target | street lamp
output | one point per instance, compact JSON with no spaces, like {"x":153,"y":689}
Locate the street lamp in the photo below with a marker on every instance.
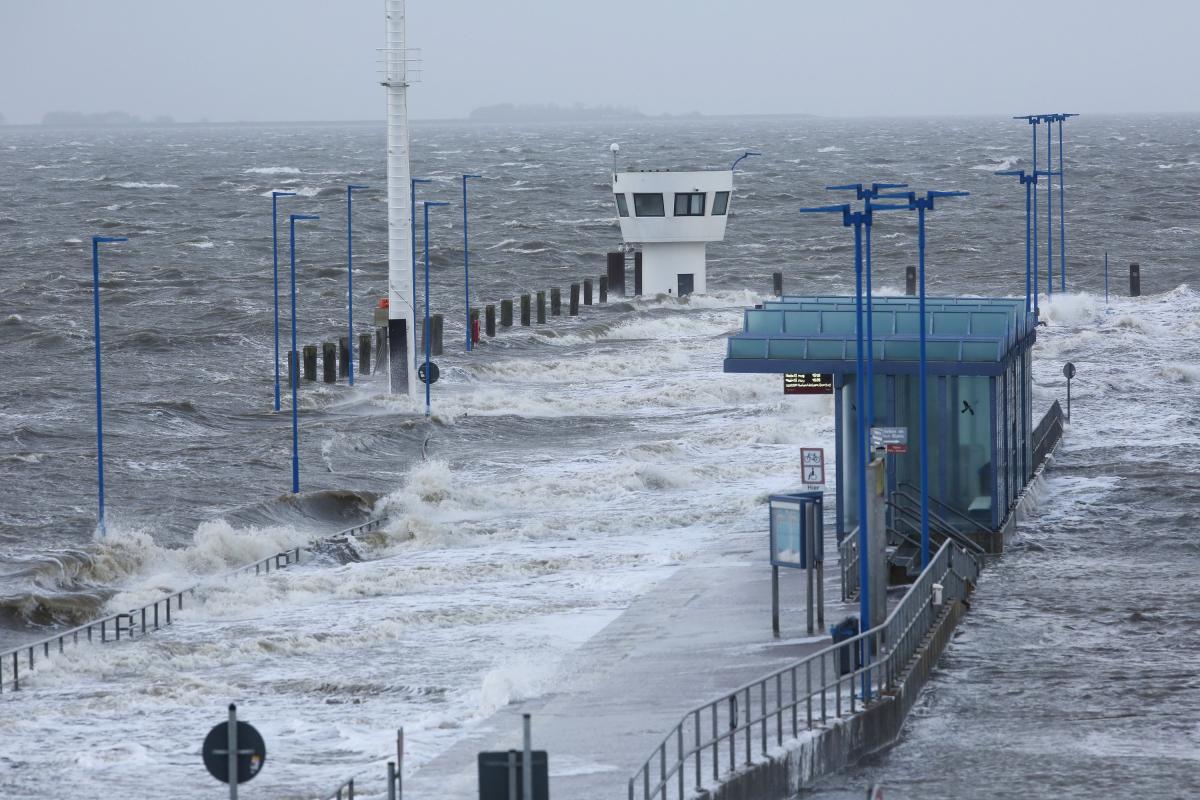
{"x":412,"y":208}
{"x":350,"y":277}
{"x":295,"y":369}
{"x":739,"y":159}
{"x":275,"y":278}
{"x":921,"y":205}
{"x":428,"y":377}
{"x":867,"y":194}
{"x":1029,"y":181}
{"x":467,"y":262}
{"x":858,"y":219}
{"x":96,"y":242}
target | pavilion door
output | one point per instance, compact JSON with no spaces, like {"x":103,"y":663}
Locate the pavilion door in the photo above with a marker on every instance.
{"x":687,"y":283}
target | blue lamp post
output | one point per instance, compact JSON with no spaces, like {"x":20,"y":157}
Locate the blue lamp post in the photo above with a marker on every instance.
{"x":740,"y":158}
{"x":412,"y":208}
{"x":1062,"y":213}
{"x":96,"y":242}
{"x":1029,"y":181}
{"x":275,"y":277}
{"x":867,"y":194}
{"x":921,"y":205}
{"x":350,"y":276}
{"x":295,"y":366}
{"x":857,"y":220}
{"x":1034,"y":120}
{"x":428,"y":378}
{"x":467,"y":262}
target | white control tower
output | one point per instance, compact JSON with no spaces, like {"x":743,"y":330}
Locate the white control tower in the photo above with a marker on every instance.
{"x":673,"y":215}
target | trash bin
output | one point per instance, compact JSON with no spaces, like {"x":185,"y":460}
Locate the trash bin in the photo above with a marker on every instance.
{"x":846,"y":629}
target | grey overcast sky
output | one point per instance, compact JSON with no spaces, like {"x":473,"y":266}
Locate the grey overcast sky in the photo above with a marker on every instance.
{"x":316,"y":59}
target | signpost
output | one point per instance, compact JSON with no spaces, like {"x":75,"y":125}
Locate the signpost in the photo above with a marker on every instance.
{"x":807,"y":383}
{"x":890,"y":440}
{"x":1068,"y":373}
{"x":233,"y":752}
{"x":433,"y":372}
{"x":812,"y":466}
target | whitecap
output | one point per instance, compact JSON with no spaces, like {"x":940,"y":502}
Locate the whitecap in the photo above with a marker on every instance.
{"x":271,"y":171}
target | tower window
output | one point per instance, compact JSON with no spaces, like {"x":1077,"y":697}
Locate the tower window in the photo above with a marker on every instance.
{"x":622,"y":205}
{"x":648,"y":205}
{"x":720,"y":204}
{"x":689,"y":204}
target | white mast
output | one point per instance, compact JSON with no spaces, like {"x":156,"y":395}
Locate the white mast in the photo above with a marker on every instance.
{"x":401,"y":316}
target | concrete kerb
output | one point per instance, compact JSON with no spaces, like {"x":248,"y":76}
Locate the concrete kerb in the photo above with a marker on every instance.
{"x":800,"y":762}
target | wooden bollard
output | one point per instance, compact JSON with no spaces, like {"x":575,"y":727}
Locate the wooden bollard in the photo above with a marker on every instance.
{"x":1135,"y":280}
{"x":555,"y":302}
{"x":329,"y":362}
{"x":310,"y":362}
{"x":525,"y":310}
{"x":910,"y":281}
{"x":474,"y":332}
{"x":637,"y":273}
{"x":343,"y":357}
{"x":616,"y":274}
{"x":541,"y":308}
{"x":506,"y":313}
{"x":587,"y":291}
{"x":364,"y":354}
{"x":490,"y":319}
{"x":574,"y":309}
{"x":603,"y":288}
{"x":777,"y":283}
{"x":438,"y":323}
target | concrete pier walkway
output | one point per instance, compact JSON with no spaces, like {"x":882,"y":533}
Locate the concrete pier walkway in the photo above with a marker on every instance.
{"x":704,"y":630}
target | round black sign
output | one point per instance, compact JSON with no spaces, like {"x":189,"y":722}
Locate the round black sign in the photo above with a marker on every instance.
{"x":1069,"y":370}
{"x":434,"y":372}
{"x":252,"y":752}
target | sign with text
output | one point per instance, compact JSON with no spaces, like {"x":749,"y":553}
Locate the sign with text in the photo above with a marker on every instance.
{"x":891,"y":440}
{"x":812,"y":466}
{"x":807,"y":383}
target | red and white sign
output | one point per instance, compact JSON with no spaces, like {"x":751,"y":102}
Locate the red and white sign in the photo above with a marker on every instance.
{"x":812,"y":466}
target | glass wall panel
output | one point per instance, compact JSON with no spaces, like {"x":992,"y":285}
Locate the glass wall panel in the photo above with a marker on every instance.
{"x":970,"y":447}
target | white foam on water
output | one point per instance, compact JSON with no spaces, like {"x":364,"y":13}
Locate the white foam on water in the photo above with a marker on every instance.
{"x":145,"y":185}
{"x":271,"y":171}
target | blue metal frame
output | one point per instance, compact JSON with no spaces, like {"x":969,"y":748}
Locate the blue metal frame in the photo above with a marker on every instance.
{"x":1034,"y":120}
{"x":467,"y":262}
{"x":275,"y":278}
{"x":1028,"y":181}
{"x":295,"y":370}
{"x":802,"y":499}
{"x":96,"y":242}
{"x":427,"y":204}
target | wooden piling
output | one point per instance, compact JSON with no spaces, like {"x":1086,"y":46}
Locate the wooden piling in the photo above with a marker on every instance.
{"x":910,"y":281}
{"x":603,"y":288}
{"x":490,"y":319}
{"x":777,"y":283}
{"x":555,"y":302}
{"x":1135,"y":280}
{"x":541,"y":308}
{"x":616,"y":274}
{"x":574,"y":309}
{"x":310,"y":362}
{"x":637,"y":273}
{"x":364,"y":354}
{"x":526,"y":314}
{"x":587,"y":291}
{"x":438,"y":324}
{"x":329,"y":362}
{"x":344,"y":357}
{"x":506,"y":313}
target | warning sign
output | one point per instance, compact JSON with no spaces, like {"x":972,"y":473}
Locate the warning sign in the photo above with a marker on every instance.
{"x":812,"y":466}
{"x":807,"y":383}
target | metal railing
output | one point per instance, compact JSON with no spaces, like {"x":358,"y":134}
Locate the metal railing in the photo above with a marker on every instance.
{"x":1046,"y":434}
{"x":848,"y":564}
{"x":144,"y":619}
{"x":395,"y":778}
{"x":913,"y":495}
{"x":829,"y":684}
